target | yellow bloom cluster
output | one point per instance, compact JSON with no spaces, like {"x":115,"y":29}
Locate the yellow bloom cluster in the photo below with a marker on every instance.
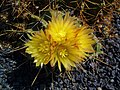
{"x":62,"y":42}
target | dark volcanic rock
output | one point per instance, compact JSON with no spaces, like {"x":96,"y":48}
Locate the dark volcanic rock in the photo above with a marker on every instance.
{"x":7,"y":65}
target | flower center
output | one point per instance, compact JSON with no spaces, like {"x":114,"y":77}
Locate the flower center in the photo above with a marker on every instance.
{"x":62,"y":33}
{"x":44,"y":47}
{"x":63,"y":53}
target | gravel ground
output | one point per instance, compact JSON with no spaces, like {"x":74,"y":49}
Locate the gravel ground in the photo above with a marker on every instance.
{"x":17,"y":74}
{"x":7,"y":65}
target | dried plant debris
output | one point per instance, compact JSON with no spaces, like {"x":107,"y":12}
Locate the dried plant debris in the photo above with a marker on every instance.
{"x":90,"y":10}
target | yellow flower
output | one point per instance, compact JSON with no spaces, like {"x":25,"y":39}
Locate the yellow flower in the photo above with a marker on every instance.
{"x":62,"y":42}
{"x":61,"y":28}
